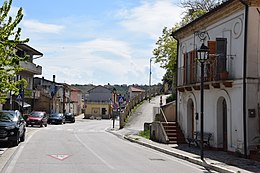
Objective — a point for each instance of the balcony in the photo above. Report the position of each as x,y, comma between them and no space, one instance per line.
31,67
217,71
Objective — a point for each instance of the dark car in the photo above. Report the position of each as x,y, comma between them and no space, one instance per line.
37,118
69,117
56,118
12,127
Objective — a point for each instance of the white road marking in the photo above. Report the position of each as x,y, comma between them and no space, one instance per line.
17,154
60,157
93,152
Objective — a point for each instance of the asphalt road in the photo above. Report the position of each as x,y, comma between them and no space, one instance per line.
87,146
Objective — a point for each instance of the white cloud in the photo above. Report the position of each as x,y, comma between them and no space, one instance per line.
150,17
90,51
39,27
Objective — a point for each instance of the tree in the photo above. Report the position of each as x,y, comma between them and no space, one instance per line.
196,8
166,51
9,61
165,54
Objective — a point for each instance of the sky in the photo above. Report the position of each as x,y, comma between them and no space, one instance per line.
97,41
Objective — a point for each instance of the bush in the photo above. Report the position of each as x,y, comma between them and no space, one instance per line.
171,98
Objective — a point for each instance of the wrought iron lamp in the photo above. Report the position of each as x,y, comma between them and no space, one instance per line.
202,56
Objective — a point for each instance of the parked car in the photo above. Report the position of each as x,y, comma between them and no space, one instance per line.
37,118
56,118
69,117
12,127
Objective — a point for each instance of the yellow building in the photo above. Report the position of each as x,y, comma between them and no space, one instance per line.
98,103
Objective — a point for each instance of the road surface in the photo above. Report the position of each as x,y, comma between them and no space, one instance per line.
87,147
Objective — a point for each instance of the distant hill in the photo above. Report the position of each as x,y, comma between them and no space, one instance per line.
120,89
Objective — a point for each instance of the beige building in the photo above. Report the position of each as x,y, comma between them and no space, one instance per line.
98,102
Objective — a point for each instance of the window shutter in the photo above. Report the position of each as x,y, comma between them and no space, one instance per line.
184,68
212,45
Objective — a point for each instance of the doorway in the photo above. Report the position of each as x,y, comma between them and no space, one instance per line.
190,118
224,113
222,125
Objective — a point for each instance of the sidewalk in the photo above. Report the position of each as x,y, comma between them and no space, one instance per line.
214,160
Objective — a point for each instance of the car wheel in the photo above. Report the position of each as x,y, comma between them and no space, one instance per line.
16,141
22,137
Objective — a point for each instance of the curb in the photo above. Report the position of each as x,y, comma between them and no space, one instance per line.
171,153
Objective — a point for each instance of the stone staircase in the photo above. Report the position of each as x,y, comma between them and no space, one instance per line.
174,133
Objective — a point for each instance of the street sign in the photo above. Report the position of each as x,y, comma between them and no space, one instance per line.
120,99
19,97
115,106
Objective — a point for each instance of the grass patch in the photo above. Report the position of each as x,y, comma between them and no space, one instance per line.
145,134
137,106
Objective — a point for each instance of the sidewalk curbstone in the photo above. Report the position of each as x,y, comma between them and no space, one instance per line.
190,159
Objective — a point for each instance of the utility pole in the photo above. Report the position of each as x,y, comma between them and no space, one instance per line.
64,99
53,93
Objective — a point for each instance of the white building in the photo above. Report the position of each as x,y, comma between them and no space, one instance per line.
232,75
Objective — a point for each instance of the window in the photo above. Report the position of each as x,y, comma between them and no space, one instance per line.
221,50
190,67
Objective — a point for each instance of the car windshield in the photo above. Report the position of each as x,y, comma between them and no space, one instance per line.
7,116
55,115
37,114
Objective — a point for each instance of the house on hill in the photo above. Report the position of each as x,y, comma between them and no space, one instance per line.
133,91
231,75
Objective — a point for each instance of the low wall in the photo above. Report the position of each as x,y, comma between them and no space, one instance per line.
170,111
157,133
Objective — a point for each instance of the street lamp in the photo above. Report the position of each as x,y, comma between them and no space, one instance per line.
150,75
203,54
114,101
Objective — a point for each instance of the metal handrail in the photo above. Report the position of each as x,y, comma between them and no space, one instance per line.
163,115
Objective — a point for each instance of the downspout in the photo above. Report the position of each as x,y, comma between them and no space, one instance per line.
176,79
244,78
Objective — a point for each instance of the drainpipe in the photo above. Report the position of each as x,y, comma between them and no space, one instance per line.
244,78
176,79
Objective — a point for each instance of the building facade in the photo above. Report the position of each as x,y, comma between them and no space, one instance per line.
231,75
29,70
98,102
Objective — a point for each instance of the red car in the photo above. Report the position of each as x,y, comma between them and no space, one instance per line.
37,118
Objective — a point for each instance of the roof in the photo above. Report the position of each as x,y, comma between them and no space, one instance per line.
223,10
27,48
99,86
133,89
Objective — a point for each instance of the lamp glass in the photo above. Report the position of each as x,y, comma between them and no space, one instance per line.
203,53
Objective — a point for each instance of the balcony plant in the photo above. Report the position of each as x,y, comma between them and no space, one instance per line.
223,75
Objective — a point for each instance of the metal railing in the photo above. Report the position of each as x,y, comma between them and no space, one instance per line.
163,115
216,69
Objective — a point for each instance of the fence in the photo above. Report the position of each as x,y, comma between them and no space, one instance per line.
135,101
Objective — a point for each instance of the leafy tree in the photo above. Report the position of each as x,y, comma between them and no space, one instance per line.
9,61
196,8
165,54
166,47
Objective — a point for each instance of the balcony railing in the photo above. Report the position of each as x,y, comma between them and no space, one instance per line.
216,69
31,67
